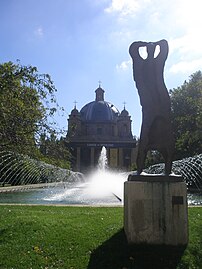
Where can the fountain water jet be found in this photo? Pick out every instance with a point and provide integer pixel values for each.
(103, 161)
(102, 186)
(18, 169)
(103, 182)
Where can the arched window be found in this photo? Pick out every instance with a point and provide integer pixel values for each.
(125, 129)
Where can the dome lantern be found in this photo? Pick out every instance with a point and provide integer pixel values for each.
(99, 94)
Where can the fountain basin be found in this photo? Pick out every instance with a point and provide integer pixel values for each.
(58, 193)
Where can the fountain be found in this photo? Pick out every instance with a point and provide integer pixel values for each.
(60, 186)
(102, 187)
(103, 182)
(54, 185)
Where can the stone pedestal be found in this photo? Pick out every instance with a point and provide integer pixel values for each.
(155, 211)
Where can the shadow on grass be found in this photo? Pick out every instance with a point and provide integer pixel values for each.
(115, 253)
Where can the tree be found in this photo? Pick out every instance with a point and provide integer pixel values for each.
(186, 103)
(54, 150)
(27, 101)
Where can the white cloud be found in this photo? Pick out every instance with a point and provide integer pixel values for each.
(124, 7)
(186, 52)
(188, 20)
(186, 66)
(146, 20)
(188, 12)
(39, 32)
(125, 65)
(188, 43)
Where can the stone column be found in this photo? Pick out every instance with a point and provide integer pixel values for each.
(133, 155)
(113, 157)
(92, 157)
(78, 159)
(120, 157)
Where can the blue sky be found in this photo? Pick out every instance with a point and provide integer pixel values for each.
(79, 42)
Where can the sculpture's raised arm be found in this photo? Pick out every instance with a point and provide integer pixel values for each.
(134, 48)
(163, 44)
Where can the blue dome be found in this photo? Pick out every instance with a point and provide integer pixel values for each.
(99, 111)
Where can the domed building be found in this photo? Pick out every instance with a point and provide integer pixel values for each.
(99, 123)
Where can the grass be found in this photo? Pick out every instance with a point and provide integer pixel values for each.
(192, 258)
(43, 237)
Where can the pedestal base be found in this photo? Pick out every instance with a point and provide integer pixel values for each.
(155, 211)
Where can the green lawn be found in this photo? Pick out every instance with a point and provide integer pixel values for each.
(36, 237)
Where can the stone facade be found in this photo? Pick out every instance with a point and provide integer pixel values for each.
(98, 124)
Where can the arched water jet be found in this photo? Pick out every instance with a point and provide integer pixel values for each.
(189, 168)
(18, 169)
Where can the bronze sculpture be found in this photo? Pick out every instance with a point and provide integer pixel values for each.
(156, 130)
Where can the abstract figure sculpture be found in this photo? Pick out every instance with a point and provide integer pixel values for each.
(156, 131)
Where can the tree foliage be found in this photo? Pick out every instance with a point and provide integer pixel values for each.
(186, 103)
(54, 150)
(26, 101)
(186, 106)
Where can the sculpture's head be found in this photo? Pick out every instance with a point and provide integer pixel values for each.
(151, 49)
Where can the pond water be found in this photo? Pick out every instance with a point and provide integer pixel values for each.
(68, 195)
(194, 199)
(97, 191)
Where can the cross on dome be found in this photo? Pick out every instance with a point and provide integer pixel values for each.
(75, 102)
(99, 83)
